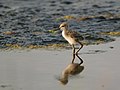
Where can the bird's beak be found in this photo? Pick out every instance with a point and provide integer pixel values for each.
(57, 28)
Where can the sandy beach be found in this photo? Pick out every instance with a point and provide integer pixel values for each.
(30, 25)
(37, 69)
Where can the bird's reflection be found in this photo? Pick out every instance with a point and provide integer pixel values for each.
(71, 69)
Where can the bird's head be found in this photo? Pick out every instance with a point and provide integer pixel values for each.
(63, 26)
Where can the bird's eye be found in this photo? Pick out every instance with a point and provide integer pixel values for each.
(62, 26)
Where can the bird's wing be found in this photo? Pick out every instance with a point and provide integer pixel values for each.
(75, 35)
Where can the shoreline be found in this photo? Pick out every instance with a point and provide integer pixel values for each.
(56, 47)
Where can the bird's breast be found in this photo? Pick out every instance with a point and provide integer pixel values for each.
(68, 38)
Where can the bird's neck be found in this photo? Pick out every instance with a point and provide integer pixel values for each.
(64, 32)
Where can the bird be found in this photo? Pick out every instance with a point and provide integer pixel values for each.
(73, 38)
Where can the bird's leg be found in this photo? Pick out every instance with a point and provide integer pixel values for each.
(73, 54)
(81, 45)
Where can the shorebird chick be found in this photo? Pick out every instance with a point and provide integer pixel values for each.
(73, 38)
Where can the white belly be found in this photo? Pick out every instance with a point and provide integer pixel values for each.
(69, 39)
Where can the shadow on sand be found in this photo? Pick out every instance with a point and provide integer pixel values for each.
(71, 70)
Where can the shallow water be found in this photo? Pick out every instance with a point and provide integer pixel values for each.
(26, 22)
(37, 69)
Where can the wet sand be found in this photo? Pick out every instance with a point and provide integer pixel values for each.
(37, 69)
